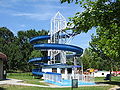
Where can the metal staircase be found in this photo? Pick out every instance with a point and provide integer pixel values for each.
(58, 24)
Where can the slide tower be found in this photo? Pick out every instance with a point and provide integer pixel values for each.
(57, 46)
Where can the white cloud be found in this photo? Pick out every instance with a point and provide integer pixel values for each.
(37, 9)
(33, 9)
(37, 16)
(48, 6)
(22, 25)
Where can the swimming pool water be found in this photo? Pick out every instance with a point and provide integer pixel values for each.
(69, 83)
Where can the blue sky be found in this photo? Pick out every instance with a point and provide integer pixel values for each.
(19, 15)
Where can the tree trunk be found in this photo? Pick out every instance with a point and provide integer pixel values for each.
(110, 71)
(110, 74)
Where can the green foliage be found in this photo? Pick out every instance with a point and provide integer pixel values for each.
(106, 45)
(69, 1)
(97, 13)
(9, 46)
(87, 59)
(18, 49)
(93, 60)
(6, 34)
(104, 16)
(35, 53)
(27, 48)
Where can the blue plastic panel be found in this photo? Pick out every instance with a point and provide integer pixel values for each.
(39, 59)
(64, 47)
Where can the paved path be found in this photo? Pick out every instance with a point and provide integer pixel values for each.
(115, 88)
(18, 82)
(8, 81)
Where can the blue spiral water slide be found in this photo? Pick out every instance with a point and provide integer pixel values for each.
(78, 51)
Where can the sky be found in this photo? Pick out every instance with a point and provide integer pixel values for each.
(19, 15)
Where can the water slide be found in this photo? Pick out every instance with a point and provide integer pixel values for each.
(78, 51)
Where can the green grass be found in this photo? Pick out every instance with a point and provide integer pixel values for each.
(114, 81)
(13, 87)
(101, 79)
(26, 77)
(116, 78)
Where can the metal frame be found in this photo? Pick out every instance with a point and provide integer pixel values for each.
(58, 24)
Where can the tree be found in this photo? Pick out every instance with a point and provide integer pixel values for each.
(27, 48)
(97, 13)
(6, 34)
(87, 59)
(91, 59)
(35, 53)
(18, 49)
(102, 14)
(106, 45)
(9, 46)
(69, 1)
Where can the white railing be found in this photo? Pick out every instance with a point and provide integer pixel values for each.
(88, 78)
(52, 77)
(58, 78)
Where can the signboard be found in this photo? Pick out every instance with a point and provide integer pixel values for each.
(74, 83)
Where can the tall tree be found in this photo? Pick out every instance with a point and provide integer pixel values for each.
(35, 53)
(27, 48)
(104, 15)
(97, 13)
(18, 49)
(91, 59)
(9, 46)
(106, 45)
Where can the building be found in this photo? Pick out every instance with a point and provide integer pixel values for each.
(3, 59)
(101, 73)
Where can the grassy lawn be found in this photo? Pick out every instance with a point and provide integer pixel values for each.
(12, 87)
(115, 80)
(27, 77)
(101, 79)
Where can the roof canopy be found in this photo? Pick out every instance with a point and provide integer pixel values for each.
(3, 56)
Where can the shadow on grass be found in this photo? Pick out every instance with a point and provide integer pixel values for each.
(110, 83)
(2, 88)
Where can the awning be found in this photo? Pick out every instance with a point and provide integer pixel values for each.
(3, 56)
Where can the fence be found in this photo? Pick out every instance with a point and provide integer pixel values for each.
(88, 78)
(56, 77)
(52, 77)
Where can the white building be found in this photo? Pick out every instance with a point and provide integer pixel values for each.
(101, 73)
(64, 69)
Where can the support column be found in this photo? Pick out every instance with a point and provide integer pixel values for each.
(82, 69)
(58, 70)
(73, 72)
(66, 73)
(1, 69)
(75, 61)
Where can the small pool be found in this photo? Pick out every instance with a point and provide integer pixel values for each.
(69, 83)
